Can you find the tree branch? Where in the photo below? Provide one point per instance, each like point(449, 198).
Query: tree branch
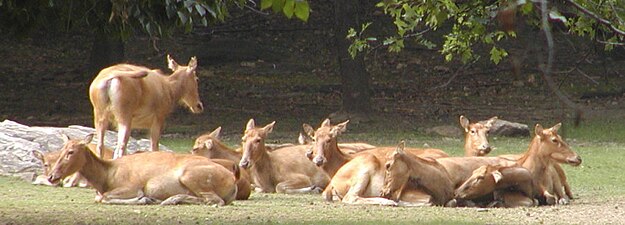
point(546, 69)
point(596, 17)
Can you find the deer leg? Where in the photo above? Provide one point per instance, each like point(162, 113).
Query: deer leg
point(155, 133)
point(101, 124)
point(414, 197)
point(207, 198)
point(72, 180)
point(297, 184)
point(123, 134)
point(126, 196)
point(565, 184)
point(355, 192)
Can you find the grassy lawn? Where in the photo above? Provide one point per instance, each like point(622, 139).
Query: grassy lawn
point(597, 184)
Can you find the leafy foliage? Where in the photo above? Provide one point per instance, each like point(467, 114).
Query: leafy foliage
point(116, 17)
point(299, 8)
point(487, 22)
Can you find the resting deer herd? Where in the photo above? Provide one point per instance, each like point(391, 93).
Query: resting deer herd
point(352, 173)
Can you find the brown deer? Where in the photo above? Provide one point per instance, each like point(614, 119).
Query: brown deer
point(476, 136)
point(476, 133)
point(546, 150)
point(149, 177)
point(328, 154)
point(139, 97)
point(490, 180)
point(284, 170)
point(209, 146)
point(48, 160)
point(405, 170)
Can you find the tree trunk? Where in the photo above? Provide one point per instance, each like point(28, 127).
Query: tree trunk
point(106, 51)
point(355, 79)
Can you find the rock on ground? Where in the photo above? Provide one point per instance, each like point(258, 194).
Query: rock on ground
point(17, 141)
point(508, 129)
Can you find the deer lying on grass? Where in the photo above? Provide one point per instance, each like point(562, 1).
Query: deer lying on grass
point(139, 97)
point(477, 133)
point(209, 146)
point(490, 181)
point(347, 148)
point(48, 160)
point(405, 170)
point(476, 136)
point(328, 154)
point(544, 152)
point(284, 170)
point(150, 177)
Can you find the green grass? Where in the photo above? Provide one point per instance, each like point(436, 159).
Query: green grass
point(597, 183)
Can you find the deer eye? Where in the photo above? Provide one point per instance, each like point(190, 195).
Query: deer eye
point(388, 166)
point(472, 132)
point(554, 140)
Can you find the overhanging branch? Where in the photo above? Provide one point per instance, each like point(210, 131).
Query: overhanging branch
point(596, 17)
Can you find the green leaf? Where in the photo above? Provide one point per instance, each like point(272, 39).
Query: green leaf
point(277, 5)
point(265, 4)
point(200, 10)
point(183, 17)
point(289, 6)
point(496, 54)
point(351, 33)
point(302, 10)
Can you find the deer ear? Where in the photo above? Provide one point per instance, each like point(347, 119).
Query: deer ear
point(464, 123)
point(171, 63)
point(400, 147)
point(556, 127)
point(269, 127)
point(192, 64)
point(538, 130)
point(209, 144)
point(490, 122)
point(37, 154)
point(303, 139)
point(215, 133)
point(65, 138)
point(250, 125)
point(87, 139)
point(339, 128)
point(308, 130)
point(326, 123)
point(497, 175)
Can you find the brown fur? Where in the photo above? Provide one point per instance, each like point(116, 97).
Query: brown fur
point(545, 149)
point(209, 146)
point(48, 161)
point(404, 169)
point(326, 153)
point(476, 137)
point(489, 179)
point(284, 170)
point(138, 97)
point(149, 177)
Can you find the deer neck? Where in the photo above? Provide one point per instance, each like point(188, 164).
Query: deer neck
point(432, 177)
point(174, 87)
point(336, 159)
point(532, 160)
point(96, 171)
point(468, 146)
point(224, 152)
point(263, 172)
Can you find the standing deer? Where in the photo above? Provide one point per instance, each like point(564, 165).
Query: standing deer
point(139, 97)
